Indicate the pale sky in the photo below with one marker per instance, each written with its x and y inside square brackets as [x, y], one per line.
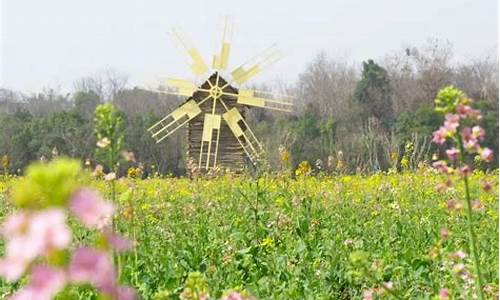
[52, 43]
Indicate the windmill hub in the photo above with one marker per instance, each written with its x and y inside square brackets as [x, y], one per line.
[215, 92]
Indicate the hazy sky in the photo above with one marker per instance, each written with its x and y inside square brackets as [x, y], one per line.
[51, 43]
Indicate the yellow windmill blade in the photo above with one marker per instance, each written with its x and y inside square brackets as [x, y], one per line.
[243, 134]
[220, 61]
[176, 119]
[196, 62]
[183, 87]
[255, 65]
[211, 127]
[246, 97]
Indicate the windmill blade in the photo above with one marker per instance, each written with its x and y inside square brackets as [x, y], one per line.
[210, 140]
[220, 61]
[243, 134]
[175, 120]
[196, 62]
[246, 97]
[183, 87]
[255, 65]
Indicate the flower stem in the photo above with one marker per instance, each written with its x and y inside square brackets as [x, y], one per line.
[472, 234]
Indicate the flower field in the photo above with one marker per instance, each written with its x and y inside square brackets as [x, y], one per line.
[340, 237]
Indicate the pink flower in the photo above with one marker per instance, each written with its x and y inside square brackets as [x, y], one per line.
[451, 122]
[452, 153]
[444, 233]
[233, 296]
[92, 266]
[452, 204]
[439, 136]
[12, 268]
[444, 294]
[441, 166]
[459, 255]
[475, 114]
[117, 242]
[50, 226]
[14, 224]
[464, 110]
[368, 295]
[487, 187]
[125, 293]
[32, 235]
[45, 283]
[470, 142]
[459, 269]
[478, 132]
[477, 205]
[487, 154]
[91, 209]
[465, 171]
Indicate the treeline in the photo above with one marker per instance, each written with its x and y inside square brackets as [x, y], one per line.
[347, 118]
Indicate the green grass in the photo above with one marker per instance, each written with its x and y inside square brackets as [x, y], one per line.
[310, 238]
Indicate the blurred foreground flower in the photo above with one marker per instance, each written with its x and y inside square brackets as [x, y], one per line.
[37, 236]
[465, 140]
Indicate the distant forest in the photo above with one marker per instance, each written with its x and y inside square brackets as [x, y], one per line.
[347, 118]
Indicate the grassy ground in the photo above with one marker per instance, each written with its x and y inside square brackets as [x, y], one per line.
[310, 238]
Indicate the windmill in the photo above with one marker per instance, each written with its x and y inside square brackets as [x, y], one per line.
[218, 134]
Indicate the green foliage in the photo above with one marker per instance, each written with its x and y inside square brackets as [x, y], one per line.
[108, 124]
[448, 98]
[423, 121]
[85, 103]
[373, 91]
[47, 185]
[299, 241]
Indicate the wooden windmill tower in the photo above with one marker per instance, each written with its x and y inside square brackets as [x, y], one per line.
[214, 111]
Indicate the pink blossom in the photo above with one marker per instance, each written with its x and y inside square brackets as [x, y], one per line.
[441, 166]
[50, 226]
[92, 266]
[465, 171]
[45, 283]
[475, 114]
[487, 154]
[459, 255]
[444, 294]
[125, 293]
[439, 136]
[91, 209]
[117, 242]
[444, 233]
[478, 132]
[459, 269]
[452, 204]
[451, 122]
[368, 295]
[464, 110]
[12, 268]
[233, 296]
[477, 205]
[43, 232]
[452, 153]
[15, 224]
[470, 142]
[487, 187]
